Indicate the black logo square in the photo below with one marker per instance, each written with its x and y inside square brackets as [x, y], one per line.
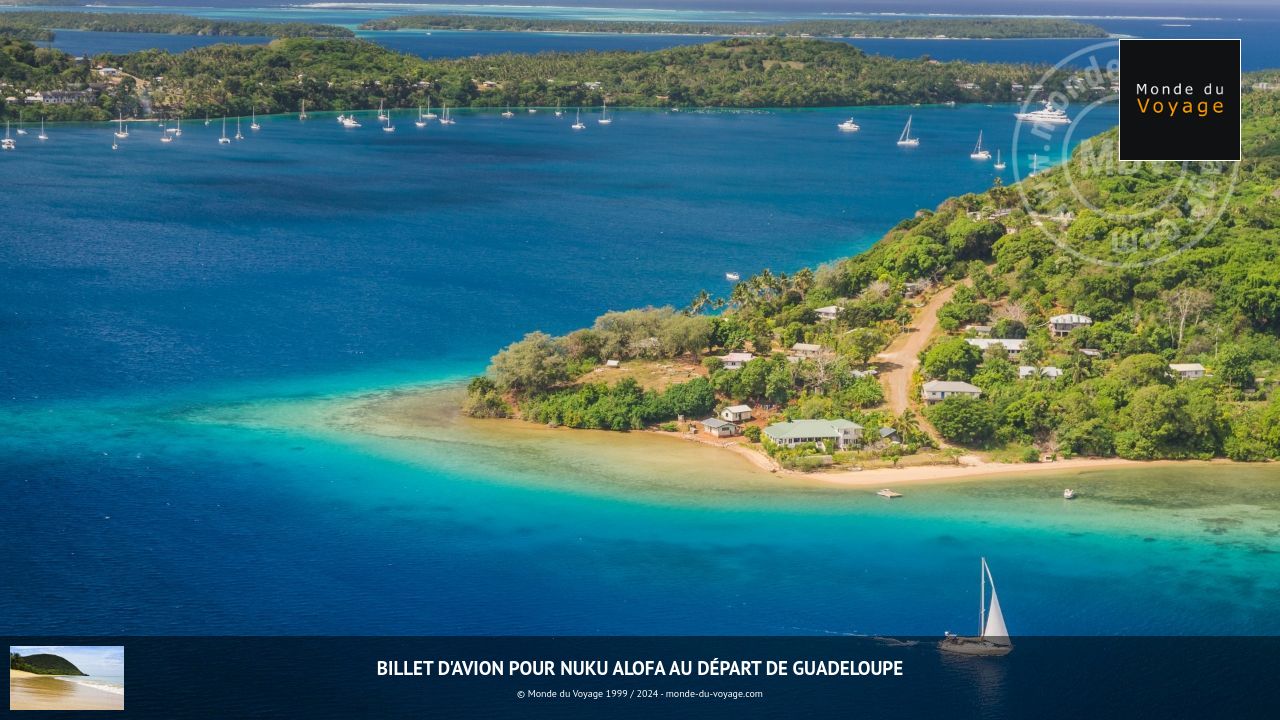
[1179, 99]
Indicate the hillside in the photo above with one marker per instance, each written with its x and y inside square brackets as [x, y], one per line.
[43, 664]
[352, 74]
[1072, 240]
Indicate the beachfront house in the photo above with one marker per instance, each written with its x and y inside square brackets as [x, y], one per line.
[839, 434]
[939, 390]
[1013, 346]
[719, 428]
[1187, 371]
[806, 350]
[1061, 325]
[830, 312]
[736, 413]
[735, 360]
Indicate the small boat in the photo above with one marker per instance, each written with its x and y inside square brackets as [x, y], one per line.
[21, 129]
[42, 136]
[848, 126]
[206, 119]
[533, 111]
[1068, 494]
[253, 123]
[430, 115]
[887, 493]
[122, 130]
[447, 119]
[578, 125]
[165, 137]
[177, 131]
[604, 115]
[239, 135]
[950, 103]
[559, 112]
[349, 121]
[732, 276]
[422, 119]
[993, 636]
[382, 114]
[979, 152]
[508, 113]
[905, 139]
[224, 140]
[389, 126]
[999, 163]
[7, 143]
[302, 115]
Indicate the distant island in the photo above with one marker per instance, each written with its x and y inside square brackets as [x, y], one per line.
[354, 74]
[1002, 28]
[43, 664]
[965, 330]
[25, 23]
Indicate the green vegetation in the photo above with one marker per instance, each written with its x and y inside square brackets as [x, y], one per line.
[1152, 303]
[169, 24]
[915, 28]
[352, 74]
[42, 664]
[17, 31]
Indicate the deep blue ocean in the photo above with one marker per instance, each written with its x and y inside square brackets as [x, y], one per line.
[178, 320]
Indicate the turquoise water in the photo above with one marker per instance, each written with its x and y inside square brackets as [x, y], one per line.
[182, 322]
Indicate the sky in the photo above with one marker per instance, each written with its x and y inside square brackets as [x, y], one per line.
[91, 659]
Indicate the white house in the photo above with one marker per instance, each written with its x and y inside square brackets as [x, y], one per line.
[829, 312]
[938, 390]
[1060, 325]
[840, 433]
[1091, 352]
[736, 413]
[806, 350]
[735, 360]
[1048, 371]
[612, 364]
[1187, 371]
[1013, 346]
[718, 427]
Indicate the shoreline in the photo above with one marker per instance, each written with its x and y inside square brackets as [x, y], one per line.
[30, 691]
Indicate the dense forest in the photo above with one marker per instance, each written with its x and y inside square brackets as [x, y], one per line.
[43, 664]
[1015, 256]
[907, 28]
[353, 74]
[170, 24]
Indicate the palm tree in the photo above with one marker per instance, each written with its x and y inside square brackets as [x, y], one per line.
[700, 302]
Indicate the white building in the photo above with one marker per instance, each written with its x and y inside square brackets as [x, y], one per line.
[806, 350]
[1061, 325]
[838, 433]
[939, 390]
[718, 427]
[736, 413]
[830, 312]
[735, 360]
[1013, 346]
[1187, 371]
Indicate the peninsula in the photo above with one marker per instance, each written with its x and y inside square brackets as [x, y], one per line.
[981, 330]
[164, 23]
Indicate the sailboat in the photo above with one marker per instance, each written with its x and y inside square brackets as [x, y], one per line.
[604, 114]
[430, 115]
[21, 130]
[388, 126]
[253, 123]
[42, 136]
[7, 143]
[165, 137]
[848, 126]
[302, 115]
[905, 139]
[559, 112]
[122, 132]
[447, 119]
[224, 140]
[508, 113]
[382, 114]
[533, 111]
[577, 124]
[979, 152]
[422, 119]
[206, 118]
[999, 163]
[993, 636]
[177, 131]
[239, 135]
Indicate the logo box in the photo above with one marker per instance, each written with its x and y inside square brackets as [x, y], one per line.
[1180, 100]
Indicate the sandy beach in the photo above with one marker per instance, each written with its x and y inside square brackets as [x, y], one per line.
[28, 691]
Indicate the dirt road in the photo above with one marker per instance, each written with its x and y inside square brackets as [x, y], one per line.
[899, 360]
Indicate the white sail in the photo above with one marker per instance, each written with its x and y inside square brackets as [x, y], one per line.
[995, 631]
